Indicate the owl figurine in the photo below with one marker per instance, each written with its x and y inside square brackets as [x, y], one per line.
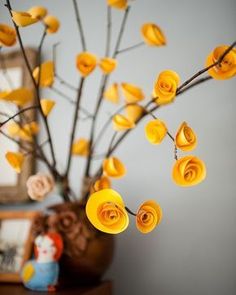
[41, 274]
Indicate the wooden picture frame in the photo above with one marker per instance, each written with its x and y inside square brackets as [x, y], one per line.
[16, 242]
[9, 192]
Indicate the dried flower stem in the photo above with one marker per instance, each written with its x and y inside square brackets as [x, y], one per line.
[79, 23]
[131, 47]
[130, 212]
[109, 24]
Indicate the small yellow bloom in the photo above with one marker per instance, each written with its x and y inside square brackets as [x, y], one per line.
[132, 93]
[112, 93]
[121, 123]
[100, 184]
[227, 68]
[86, 62]
[113, 167]
[19, 96]
[23, 19]
[13, 129]
[165, 87]
[155, 131]
[188, 171]
[7, 35]
[107, 65]
[46, 74]
[118, 4]
[149, 215]
[52, 24]
[38, 12]
[105, 209]
[47, 106]
[153, 35]
[28, 130]
[15, 160]
[185, 139]
[81, 147]
[134, 112]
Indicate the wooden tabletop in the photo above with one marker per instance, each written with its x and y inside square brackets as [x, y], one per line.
[104, 288]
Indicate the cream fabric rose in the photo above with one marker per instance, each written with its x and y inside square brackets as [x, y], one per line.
[39, 186]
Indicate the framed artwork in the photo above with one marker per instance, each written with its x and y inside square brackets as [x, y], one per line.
[13, 74]
[16, 241]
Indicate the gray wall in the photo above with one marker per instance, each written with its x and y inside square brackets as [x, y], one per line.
[193, 250]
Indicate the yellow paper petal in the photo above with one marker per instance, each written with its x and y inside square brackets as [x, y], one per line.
[118, 4]
[52, 24]
[153, 35]
[15, 160]
[86, 62]
[132, 93]
[28, 131]
[37, 12]
[19, 96]
[121, 123]
[81, 147]
[47, 106]
[13, 129]
[107, 65]
[149, 216]
[113, 167]
[105, 210]
[112, 93]
[188, 171]
[7, 35]
[100, 184]
[134, 112]
[46, 74]
[155, 131]
[185, 139]
[22, 18]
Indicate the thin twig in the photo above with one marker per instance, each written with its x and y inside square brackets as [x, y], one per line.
[108, 42]
[130, 48]
[130, 212]
[79, 23]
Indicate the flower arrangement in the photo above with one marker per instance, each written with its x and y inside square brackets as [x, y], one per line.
[105, 208]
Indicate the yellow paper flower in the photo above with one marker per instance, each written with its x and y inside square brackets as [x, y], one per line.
[46, 74]
[15, 160]
[19, 96]
[155, 131]
[112, 93]
[23, 19]
[47, 106]
[52, 24]
[81, 147]
[188, 171]
[134, 112]
[86, 62]
[132, 93]
[153, 35]
[118, 4]
[165, 87]
[105, 209]
[100, 184]
[13, 129]
[113, 167]
[149, 215]
[38, 12]
[107, 65]
[185, 139]
[227, 68]
[7, 35]
[121, 123]
[28, 130]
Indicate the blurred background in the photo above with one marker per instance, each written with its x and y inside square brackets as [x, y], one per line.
[193, 250]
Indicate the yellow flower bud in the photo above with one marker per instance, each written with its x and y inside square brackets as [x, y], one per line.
[118, 4]
[113, 167]
[15, 160]
[23, 19]
[7, 35]
[155, 131]
[19, 96]
[46, 74]
[134, 112]
[188, 171]
[86, 63]
[121, 123]
[100, 184]
[47, 106]
[227, 68]
[166, 86]
[107, 65]
[38, 12]
[13, 129]
[81, 147]
[185, 139]
[52, 24]
[132, 93]
[153, 35]
[112, 93]
[105, 209]
[149, 216]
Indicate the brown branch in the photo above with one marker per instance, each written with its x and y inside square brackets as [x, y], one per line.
[79, 23]
[108, 41]
[130, 48]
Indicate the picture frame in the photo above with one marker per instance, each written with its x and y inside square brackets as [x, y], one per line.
[13, 71]
[16, 242]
